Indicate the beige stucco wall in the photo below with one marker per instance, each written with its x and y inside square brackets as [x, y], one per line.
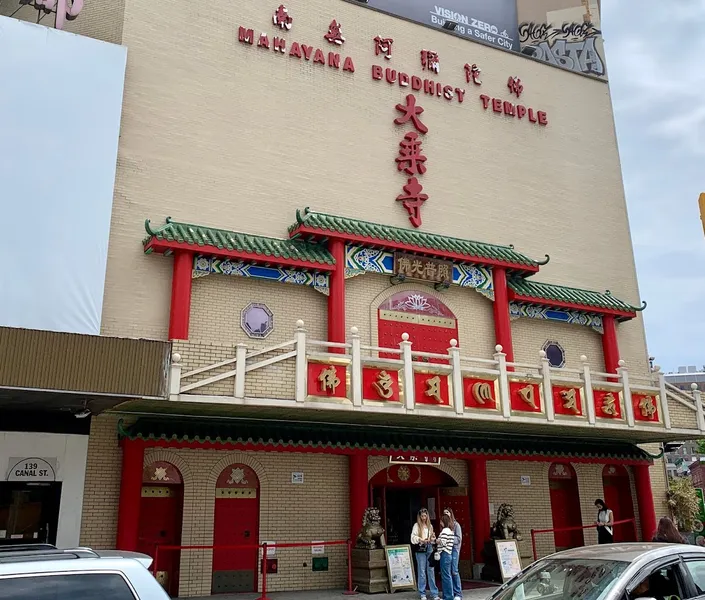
[221, 133]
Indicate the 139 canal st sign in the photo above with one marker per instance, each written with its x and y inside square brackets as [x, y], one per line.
[31, 469]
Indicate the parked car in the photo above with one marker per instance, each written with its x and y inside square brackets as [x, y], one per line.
[43, 572]
[612, 572]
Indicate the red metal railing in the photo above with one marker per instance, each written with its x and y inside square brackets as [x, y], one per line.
[349, 591]
[560, 529]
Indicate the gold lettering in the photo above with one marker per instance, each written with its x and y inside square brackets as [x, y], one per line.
[403, 266]
[647, 405]
[444, 272]
[527, 395]
[570, 400]
[482, 392]
[430, 270]
[383, 385]
[417, 268]
[609, 405]
[329, 379]
[433, 388]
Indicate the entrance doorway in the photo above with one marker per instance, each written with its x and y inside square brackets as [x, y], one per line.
[161, 510]
[29, 512]
[236, 523]
[618, 496]
[565, 506]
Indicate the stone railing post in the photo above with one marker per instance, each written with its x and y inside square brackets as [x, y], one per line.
[457, 377]
[408, 377]
[240, 365]
[301, 363]
[628, 406]
[665, 412]
[175, 376]
[697, 396]
[545, 368]
[587, 387]
[356, 367]
[504, 398]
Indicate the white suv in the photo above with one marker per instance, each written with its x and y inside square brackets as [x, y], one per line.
[43, 572]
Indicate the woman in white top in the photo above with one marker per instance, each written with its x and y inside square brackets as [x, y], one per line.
[444, 546]
[605, 523]
[422, 539]
[454, 567]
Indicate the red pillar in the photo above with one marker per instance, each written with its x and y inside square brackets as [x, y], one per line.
[130, 494]
[502, 324]
[180, 296]
[610, 348]
[358, 492]
[336, 298]
[645, 501]
[479, 506]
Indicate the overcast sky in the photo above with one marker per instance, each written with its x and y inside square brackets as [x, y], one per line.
[655, 52]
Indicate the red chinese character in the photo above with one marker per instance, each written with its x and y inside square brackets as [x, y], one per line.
[472, 72]
[334, 35]
[514, 85]
[411, 112]
[281, 18]
[429, 61]
[410, 158]
[412, 200]
[383, 46]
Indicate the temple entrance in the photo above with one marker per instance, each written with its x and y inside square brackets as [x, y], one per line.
[430, 323]
[565, 506]
[161, 510]
[618, 496]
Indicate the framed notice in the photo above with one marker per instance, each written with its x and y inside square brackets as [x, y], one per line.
[508, 555]
[400, 568]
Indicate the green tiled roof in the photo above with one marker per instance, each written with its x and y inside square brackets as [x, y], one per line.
[292, 434]
[196, 235]
[423, 242]
[558, 293]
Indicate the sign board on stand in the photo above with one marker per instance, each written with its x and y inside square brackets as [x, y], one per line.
[508, 555]
[400, 568]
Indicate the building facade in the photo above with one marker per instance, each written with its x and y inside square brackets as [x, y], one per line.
[395, 269]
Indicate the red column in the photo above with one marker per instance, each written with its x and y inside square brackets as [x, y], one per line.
[610, 348]
[336, 298]
[502, 324]
[180, 296]
[358, 492]
[130, 494]
[479, 506]
[645, 501]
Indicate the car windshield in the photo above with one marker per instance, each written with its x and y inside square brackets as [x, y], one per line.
[567, 579]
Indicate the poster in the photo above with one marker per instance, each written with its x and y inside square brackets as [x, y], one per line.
[508, 554]
[400, 567]
[493, 22]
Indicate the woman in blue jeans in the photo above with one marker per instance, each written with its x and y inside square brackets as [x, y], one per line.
[444, 547]
[454, 567]
[422, 537]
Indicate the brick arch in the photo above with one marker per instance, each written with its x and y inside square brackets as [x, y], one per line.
[156, 454]
[375, 466]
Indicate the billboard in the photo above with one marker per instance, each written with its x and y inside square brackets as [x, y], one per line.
[492, 22]
[60, 108]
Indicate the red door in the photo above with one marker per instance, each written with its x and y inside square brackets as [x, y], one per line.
[430, 323]
[236, 523]
[565, 506]
[618, 496]
[161, 510]
[457, 500]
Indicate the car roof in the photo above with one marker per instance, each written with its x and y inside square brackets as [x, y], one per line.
[45, 558]
[628, 552]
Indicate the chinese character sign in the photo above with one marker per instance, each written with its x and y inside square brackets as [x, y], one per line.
[383, 46]
[406, 458]
[472, 73]
[335, 34]
[281, 18]
[429, 61]
[423, 269]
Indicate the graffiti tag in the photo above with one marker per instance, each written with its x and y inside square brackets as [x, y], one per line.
[570, 46]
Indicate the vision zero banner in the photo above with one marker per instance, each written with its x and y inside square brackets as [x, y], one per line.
[492, 21]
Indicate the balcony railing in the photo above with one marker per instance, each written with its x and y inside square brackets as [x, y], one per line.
[353, 376]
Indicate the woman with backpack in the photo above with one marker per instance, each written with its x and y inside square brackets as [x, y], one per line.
[422, 540]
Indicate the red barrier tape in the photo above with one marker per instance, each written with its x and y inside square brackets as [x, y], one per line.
[264, 548]
[575, 528]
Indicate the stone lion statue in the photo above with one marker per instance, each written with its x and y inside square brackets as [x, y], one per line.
[371, 531]
[505, 527]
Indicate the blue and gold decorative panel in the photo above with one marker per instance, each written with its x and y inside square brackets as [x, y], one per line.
[205, 265]
[572, 317]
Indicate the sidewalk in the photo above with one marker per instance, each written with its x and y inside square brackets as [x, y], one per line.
[475, 594]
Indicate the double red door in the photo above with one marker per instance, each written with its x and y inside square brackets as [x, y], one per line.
[565, 508]
[456, 498]
[618, 496]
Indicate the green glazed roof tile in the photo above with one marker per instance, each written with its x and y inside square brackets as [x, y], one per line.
[559, 293]
[196, 235]
[292, 434]
[425, 242]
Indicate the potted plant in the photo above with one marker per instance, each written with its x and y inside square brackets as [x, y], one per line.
[683, 503]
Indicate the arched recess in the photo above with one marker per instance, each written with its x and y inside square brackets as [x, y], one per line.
[430, 323]
[618, 496]
[565, 505]
[236, 523]
[161, 513]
